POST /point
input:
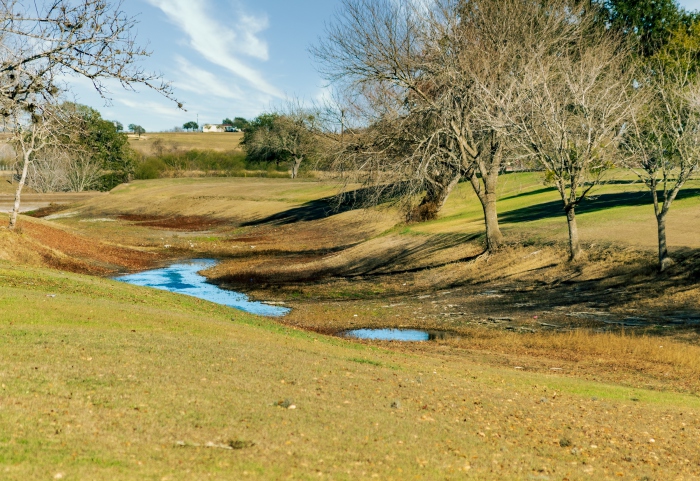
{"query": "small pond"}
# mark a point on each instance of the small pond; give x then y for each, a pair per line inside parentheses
(403, 335)
(183, 278)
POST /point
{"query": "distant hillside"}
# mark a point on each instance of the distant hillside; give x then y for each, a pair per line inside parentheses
(186, 141)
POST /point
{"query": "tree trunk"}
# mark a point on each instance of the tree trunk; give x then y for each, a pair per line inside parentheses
(494, 238)
(18, 193)
(295, 167)
(574, 242)
(665, 260)
(435, 198)
(488, 198)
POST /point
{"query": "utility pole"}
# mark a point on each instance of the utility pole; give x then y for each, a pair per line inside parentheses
(342, 126)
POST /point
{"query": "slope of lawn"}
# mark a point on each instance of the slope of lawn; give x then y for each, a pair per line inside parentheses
(102, 380)
(619, 211)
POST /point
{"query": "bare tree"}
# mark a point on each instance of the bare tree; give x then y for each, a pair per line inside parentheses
(455, 65)
(93, 39)
(397, 158)
(574, 105)
(63, 168)
(374, 53)
(48, 170)
(663, 143)
(290, 135)
(41, 44)
(33, 130)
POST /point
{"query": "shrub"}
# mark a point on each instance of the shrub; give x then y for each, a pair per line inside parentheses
(150, 168)
(174, 163)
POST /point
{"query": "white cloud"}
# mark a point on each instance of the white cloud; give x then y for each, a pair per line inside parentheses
(203, 82)
(220, 44)
(164, 110)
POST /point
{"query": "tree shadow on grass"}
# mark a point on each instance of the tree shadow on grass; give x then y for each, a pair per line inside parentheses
(310, 211)
(328, 206)
(406, 260)
(529, 193)
(400, 259)
(594, 204)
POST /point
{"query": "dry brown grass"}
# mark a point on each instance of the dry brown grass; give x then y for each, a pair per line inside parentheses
(102, 380)
(6, 185)
(276, 245)
(554, 316)
(105, 382)
(183, 141)
(635, 359)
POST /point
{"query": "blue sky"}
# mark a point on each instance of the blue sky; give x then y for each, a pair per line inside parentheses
(225, 58)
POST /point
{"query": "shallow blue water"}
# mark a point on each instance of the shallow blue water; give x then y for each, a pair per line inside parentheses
(406, 335)
(183, 278)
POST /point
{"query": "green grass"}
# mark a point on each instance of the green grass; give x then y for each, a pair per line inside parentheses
(111, 381)
(522, 212)
(600, 218)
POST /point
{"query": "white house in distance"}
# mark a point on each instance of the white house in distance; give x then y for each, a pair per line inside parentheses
(208, 128)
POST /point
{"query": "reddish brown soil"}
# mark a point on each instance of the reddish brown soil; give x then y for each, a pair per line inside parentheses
(184, 223)
(86, 255)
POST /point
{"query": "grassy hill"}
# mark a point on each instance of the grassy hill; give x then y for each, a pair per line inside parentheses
(557, 371)
(183, 141)
(102, 380)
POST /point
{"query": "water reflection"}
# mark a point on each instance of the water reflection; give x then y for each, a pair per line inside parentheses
(183, 278)
(403, 335)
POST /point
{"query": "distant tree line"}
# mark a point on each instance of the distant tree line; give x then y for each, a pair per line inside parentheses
(239, 123)
(191, 126)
